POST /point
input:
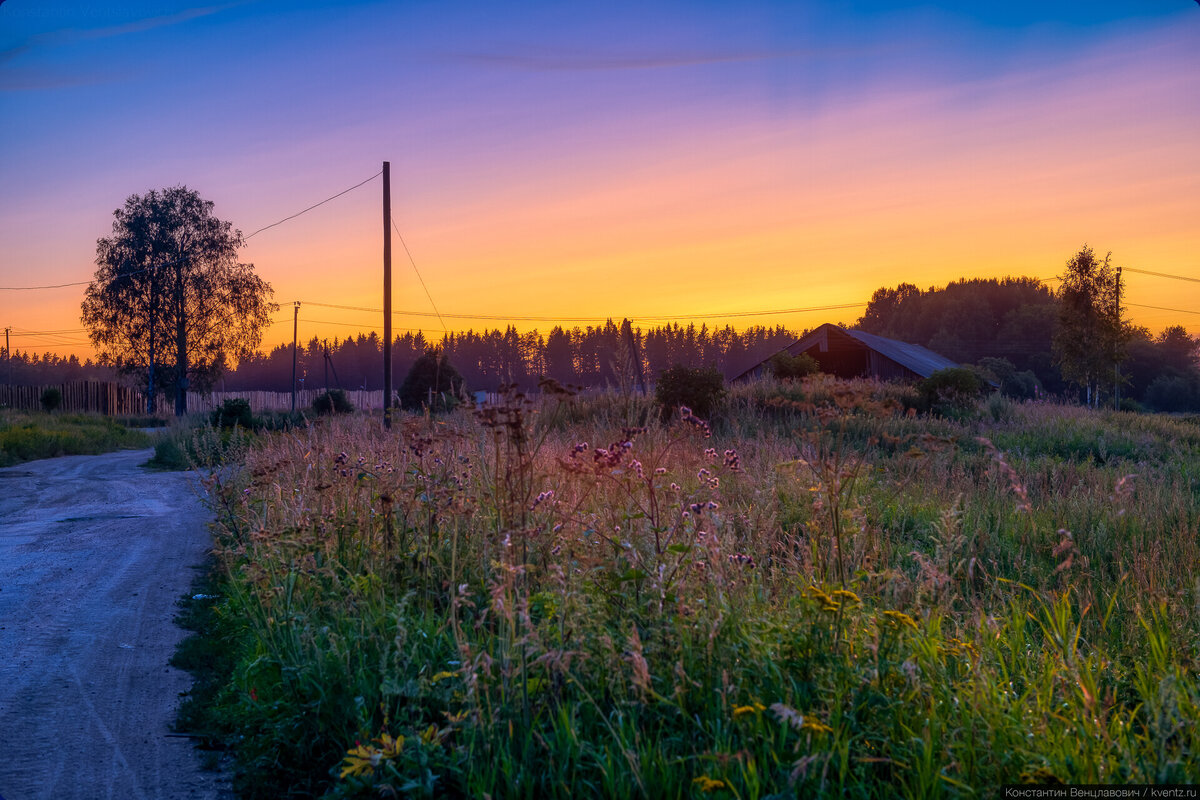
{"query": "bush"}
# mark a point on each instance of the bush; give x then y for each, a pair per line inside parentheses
(1019, 385)
(233, 412)
(333, 401)
(699, 388)
(787, 367)
(952, 392)
(51, 398)
(1173, 393)
(431, 382)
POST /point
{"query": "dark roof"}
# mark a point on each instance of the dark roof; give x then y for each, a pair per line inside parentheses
(919, 360)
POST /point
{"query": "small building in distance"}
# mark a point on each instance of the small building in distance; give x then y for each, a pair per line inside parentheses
(854, 354)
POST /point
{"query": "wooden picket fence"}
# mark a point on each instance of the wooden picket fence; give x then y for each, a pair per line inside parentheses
(362, 400)
(99, 397)
(114, 399)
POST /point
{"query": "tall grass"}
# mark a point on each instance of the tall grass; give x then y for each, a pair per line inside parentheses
(26, 436)
(820, 593)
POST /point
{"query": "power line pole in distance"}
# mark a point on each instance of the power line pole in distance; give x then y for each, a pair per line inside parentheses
(1117, 388)
(295, 332)
(387, 294)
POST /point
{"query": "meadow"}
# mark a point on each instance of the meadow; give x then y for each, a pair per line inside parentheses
(30, 435)
(817, 592)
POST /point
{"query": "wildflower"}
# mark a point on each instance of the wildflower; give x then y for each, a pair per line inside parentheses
(900, 619)
(707, 784)
(660, 470)
(732, 461)
(366, 758)
(711, 452)
(842, 594)
(789, 715)
(441, 676)
(743, 711)
(814, 726)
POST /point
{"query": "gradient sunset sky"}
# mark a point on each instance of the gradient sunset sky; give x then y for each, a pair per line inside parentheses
(586, 160)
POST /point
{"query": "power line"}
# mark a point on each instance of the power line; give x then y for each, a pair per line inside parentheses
(404, 244)
(176, 261)
(1162, 275)
(1160, 308)
(638, 318)
(358, 325)
(315, 205)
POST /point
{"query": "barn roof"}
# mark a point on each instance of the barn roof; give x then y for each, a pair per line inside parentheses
(920, 360)
(913, 357)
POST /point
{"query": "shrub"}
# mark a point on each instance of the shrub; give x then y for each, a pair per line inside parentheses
(699, 388)
(1173, 393)
(787, 367)
(1020, 385)
(233, 412)
(333, 401)
(952, 392)
(51, 398)
(433, 381)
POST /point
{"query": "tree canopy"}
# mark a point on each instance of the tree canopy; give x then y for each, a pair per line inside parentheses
(170, 298)
(1088, 343)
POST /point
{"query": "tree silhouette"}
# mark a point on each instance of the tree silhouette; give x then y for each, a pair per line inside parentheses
(170, 296)
(1089, 341)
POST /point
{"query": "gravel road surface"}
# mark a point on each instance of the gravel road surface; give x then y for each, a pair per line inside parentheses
(94, 552)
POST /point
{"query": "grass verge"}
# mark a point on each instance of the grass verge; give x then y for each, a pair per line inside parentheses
(27, 436)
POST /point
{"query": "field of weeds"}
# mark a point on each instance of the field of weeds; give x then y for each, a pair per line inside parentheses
(31, 435)
(815, 594)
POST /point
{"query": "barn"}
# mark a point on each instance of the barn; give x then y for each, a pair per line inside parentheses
(853, 354)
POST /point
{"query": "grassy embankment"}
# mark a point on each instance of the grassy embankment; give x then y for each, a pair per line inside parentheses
(28, 435)
(827, 597)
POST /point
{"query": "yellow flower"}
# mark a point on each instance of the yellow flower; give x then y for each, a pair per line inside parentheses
(742, 711)
(707, 784)
(816, 727)
(843, 594)
(900, 619)
(441, 676)
(360, 760)
(365, 758)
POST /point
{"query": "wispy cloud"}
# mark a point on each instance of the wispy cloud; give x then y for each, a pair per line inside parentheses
(72, 35)
(584, 62)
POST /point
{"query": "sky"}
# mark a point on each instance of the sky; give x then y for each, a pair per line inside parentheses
(583, 160)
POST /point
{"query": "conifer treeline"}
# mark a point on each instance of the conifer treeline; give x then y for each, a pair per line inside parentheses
(590, 356)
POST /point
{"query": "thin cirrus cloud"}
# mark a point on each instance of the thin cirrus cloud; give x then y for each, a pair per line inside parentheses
(52, 39)
(595, 62)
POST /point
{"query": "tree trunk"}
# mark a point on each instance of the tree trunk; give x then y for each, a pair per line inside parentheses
(181, 359)
(150, 407)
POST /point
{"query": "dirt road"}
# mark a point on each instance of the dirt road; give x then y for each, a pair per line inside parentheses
(94, 552)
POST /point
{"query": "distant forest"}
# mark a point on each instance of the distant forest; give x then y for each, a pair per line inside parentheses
(1007, 325)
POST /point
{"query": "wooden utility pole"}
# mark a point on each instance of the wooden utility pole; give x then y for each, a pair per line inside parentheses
(635, 355)
(387, 294)
(295, 332)
(8, 354)
(1117, 388)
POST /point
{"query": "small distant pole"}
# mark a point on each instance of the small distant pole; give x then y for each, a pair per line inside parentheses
(326, 365)
(387, 294)
(635, 354)
(295, 333)
(1117, 388)
(8, 354)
